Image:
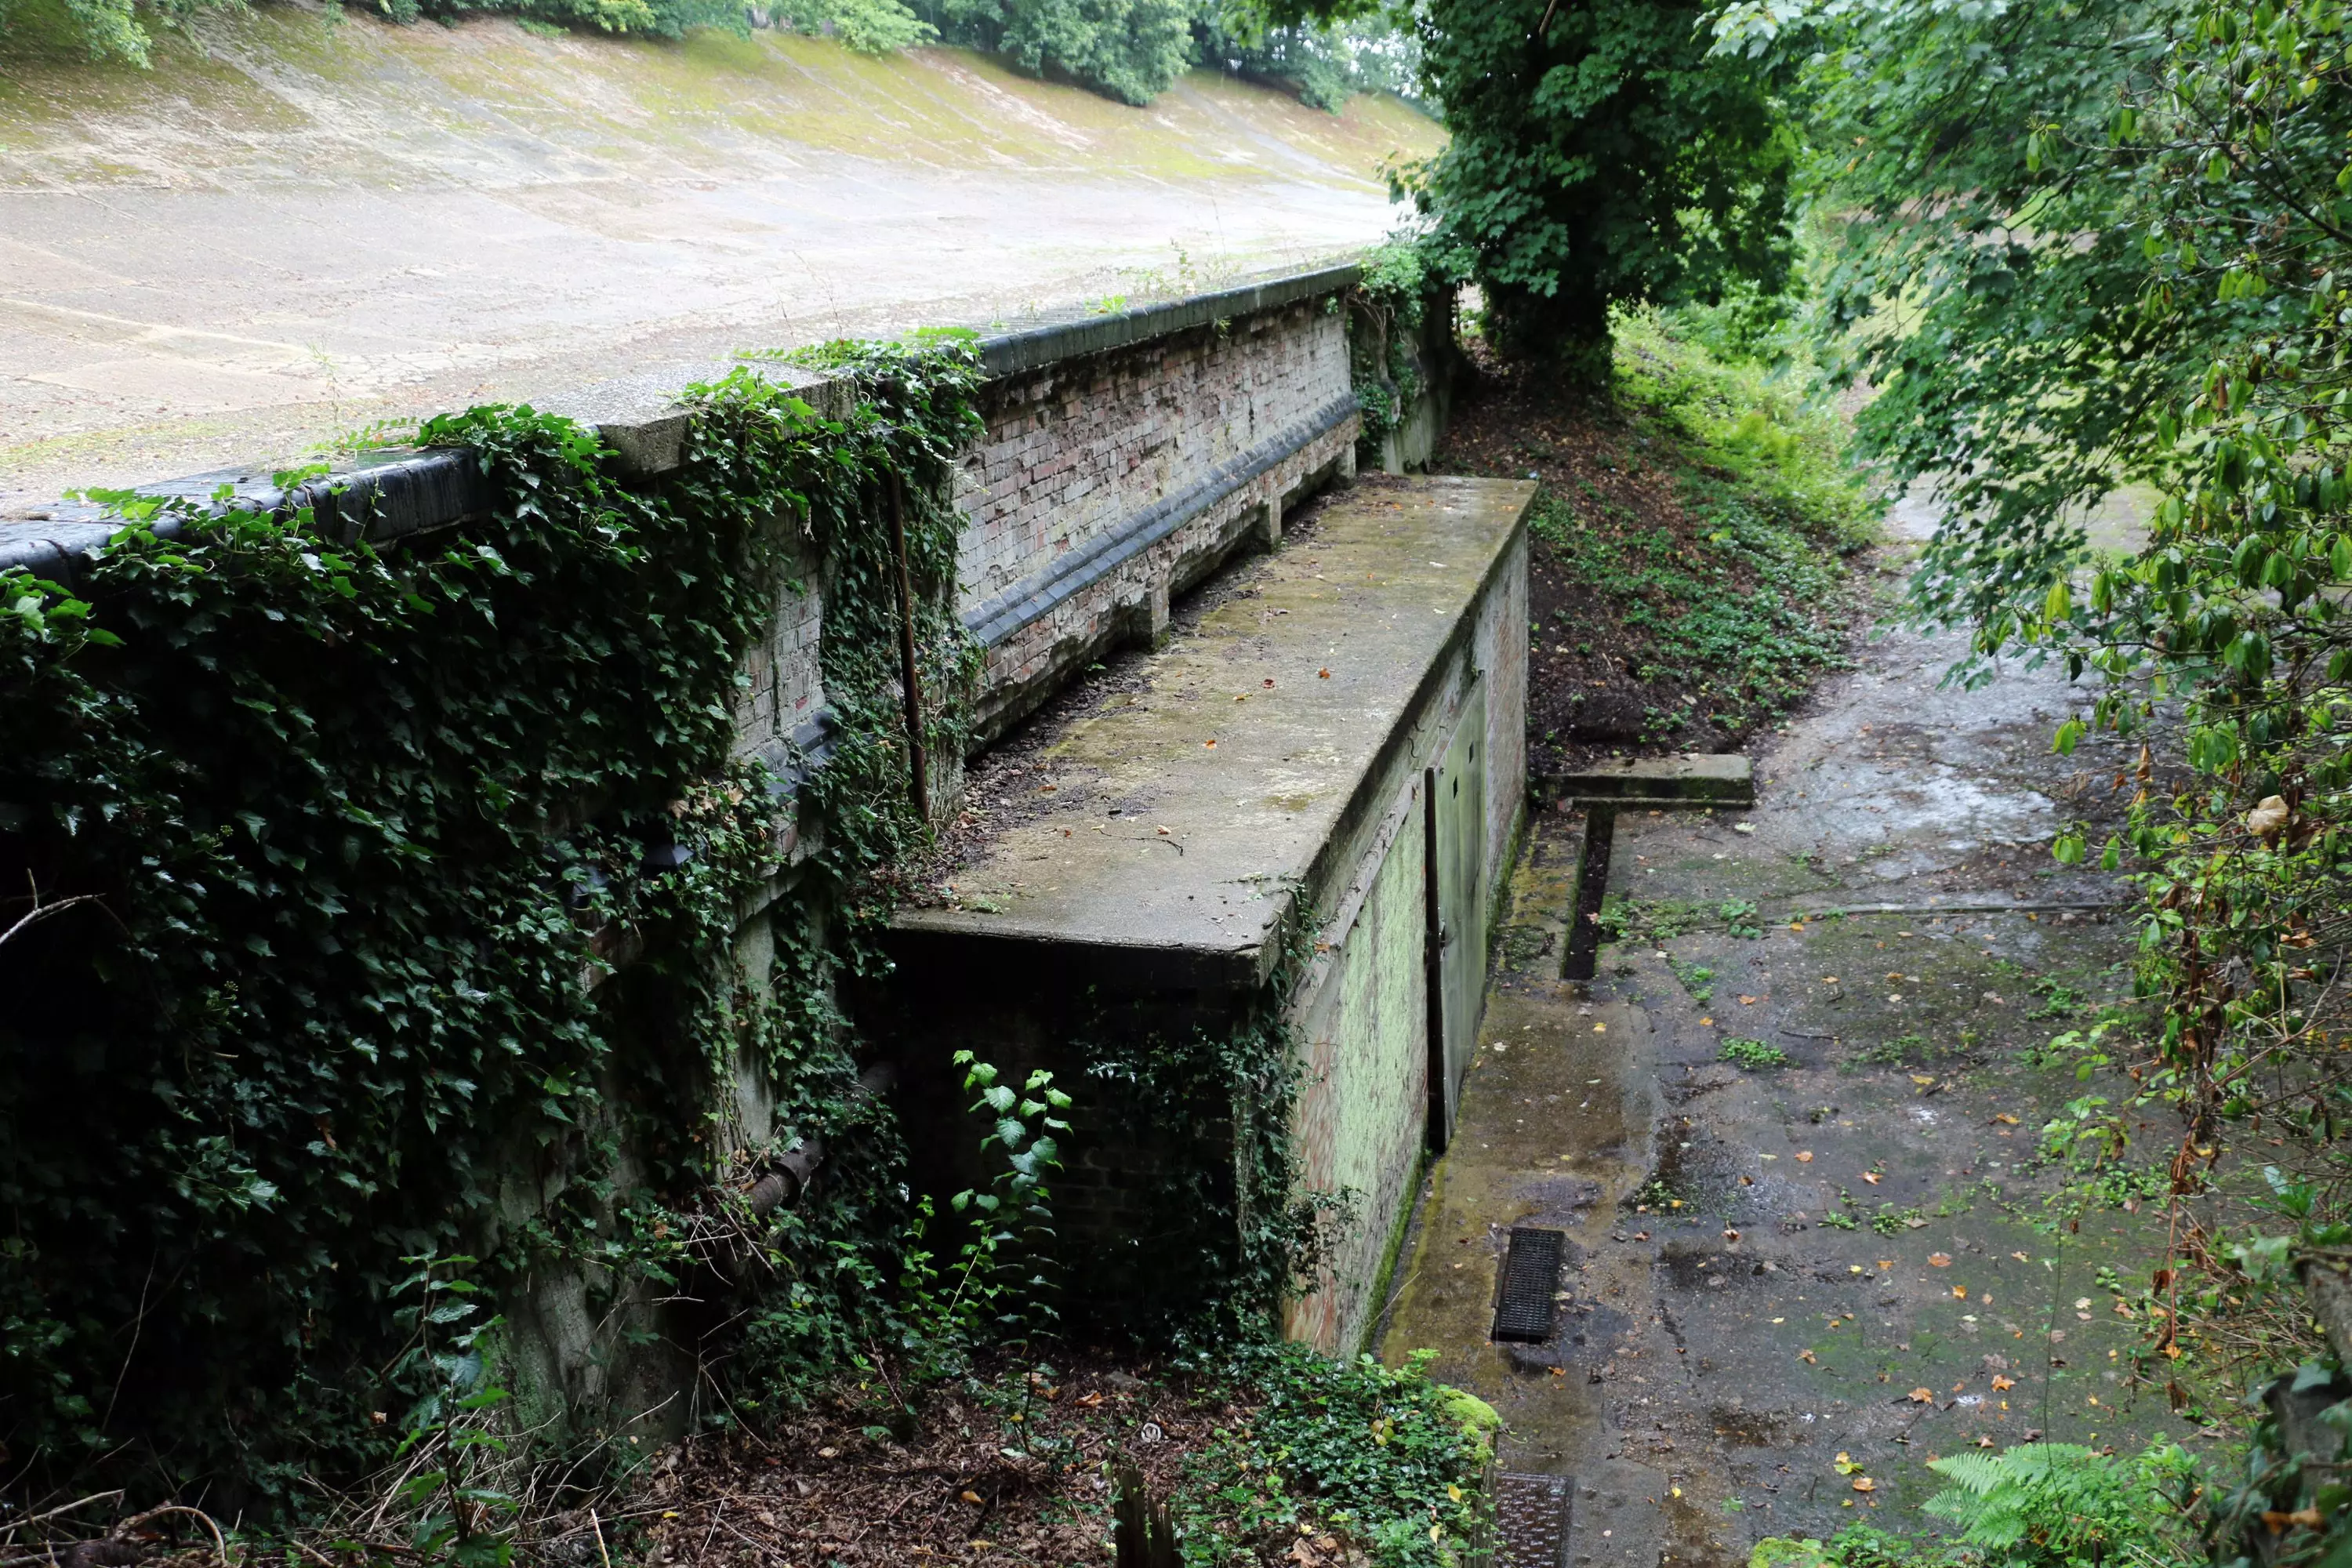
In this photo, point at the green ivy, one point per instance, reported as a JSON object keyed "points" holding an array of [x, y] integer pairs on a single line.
{"points": [[350, 827]]}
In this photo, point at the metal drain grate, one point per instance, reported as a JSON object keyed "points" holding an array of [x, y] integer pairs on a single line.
{"points": [[1530, 1522], [1524, 1308]]}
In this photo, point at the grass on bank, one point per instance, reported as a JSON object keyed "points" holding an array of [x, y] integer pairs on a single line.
{"points": [[1689, 578]]}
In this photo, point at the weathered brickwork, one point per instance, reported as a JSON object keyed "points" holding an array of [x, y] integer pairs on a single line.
{"points": [[1218, 428], [1105, 482], [784, 687]]}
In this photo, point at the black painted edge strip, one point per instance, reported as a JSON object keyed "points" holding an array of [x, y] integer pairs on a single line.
{"points": [[1040, 593], [388, 496]]}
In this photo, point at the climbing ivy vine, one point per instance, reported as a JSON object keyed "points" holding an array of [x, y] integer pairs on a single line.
{"points": [[381, 898]]}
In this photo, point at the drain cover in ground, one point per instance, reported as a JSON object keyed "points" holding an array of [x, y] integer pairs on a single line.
{"points": [[1524, 1306], [1530, 1522]]}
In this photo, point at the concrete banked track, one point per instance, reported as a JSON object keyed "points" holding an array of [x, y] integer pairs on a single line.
{"points": [[295, 227]]}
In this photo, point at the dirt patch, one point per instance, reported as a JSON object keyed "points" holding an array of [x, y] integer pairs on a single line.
{"points": [[1606, 674], [983, 1475]]}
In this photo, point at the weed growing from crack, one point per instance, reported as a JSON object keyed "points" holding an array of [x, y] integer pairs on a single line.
{"points": [[1753, 1055]]}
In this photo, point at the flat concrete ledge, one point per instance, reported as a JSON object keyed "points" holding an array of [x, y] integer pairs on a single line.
{"points": [[1189, 820], [1686, 780], [1033, 347]]}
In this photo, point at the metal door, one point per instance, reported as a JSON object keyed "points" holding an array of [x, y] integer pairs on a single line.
{"points": [[1454, 820]]}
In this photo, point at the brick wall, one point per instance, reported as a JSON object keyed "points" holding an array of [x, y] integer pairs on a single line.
{"points": [[1107, 482]]}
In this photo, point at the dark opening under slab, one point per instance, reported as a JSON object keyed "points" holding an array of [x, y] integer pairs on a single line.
{"points": [[1524, 1308]]}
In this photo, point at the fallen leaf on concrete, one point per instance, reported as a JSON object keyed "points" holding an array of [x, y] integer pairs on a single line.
{"points": [[1747, 1001], [1871, 1176], [1804, 1156], [1961, 1292], [1599, 1028], [2006, 1120], [1923, 1396], [1210, 744], [1939, 1261], [2020, 1257], [1864, 1484], [1707, 1022], [1743, 827], [1807, 1357], [1323, 675], [2003, 1384]]}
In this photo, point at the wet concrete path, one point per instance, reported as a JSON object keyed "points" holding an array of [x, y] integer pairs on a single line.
{"points": [[1789, 1287]]}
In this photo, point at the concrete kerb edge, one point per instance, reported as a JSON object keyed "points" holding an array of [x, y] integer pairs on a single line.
{"points": [[1012, 353]]}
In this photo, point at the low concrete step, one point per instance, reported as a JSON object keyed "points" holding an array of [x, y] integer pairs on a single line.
{"points": [[1684, 780]]}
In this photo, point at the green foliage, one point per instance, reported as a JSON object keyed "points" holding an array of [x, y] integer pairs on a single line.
{"points": [[1326, 63], [354, 828], [1396, 1460], [2061, 1505], [638, 19], [1390, 308], [1598, 156], [1753, 1055], [451, 1442], [1696, 979], [1767, 433], [1128, 49], [868, 26], [1013, 1225], [2099, 245]]}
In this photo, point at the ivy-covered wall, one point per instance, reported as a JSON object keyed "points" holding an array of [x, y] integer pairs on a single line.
{"points": [[386, 911], [455, 859]]}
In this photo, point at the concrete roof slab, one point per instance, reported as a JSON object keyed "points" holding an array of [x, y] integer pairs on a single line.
{"points": [[1180, 822]]}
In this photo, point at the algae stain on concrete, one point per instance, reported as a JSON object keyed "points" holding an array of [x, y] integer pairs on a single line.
{"points": [[375, 102]]}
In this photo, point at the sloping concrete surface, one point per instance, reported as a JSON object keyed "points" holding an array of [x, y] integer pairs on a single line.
{"points": [[1225, 775], [1785, 1282], [297, 226]]}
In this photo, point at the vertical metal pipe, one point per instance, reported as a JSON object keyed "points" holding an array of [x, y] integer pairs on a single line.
{"points": [[918, 782]]}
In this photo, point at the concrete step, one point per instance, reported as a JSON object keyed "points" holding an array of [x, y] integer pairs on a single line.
{"points": [[1653, 781]]}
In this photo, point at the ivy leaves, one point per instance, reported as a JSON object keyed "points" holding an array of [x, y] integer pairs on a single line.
{"points": [[355, 833]]}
